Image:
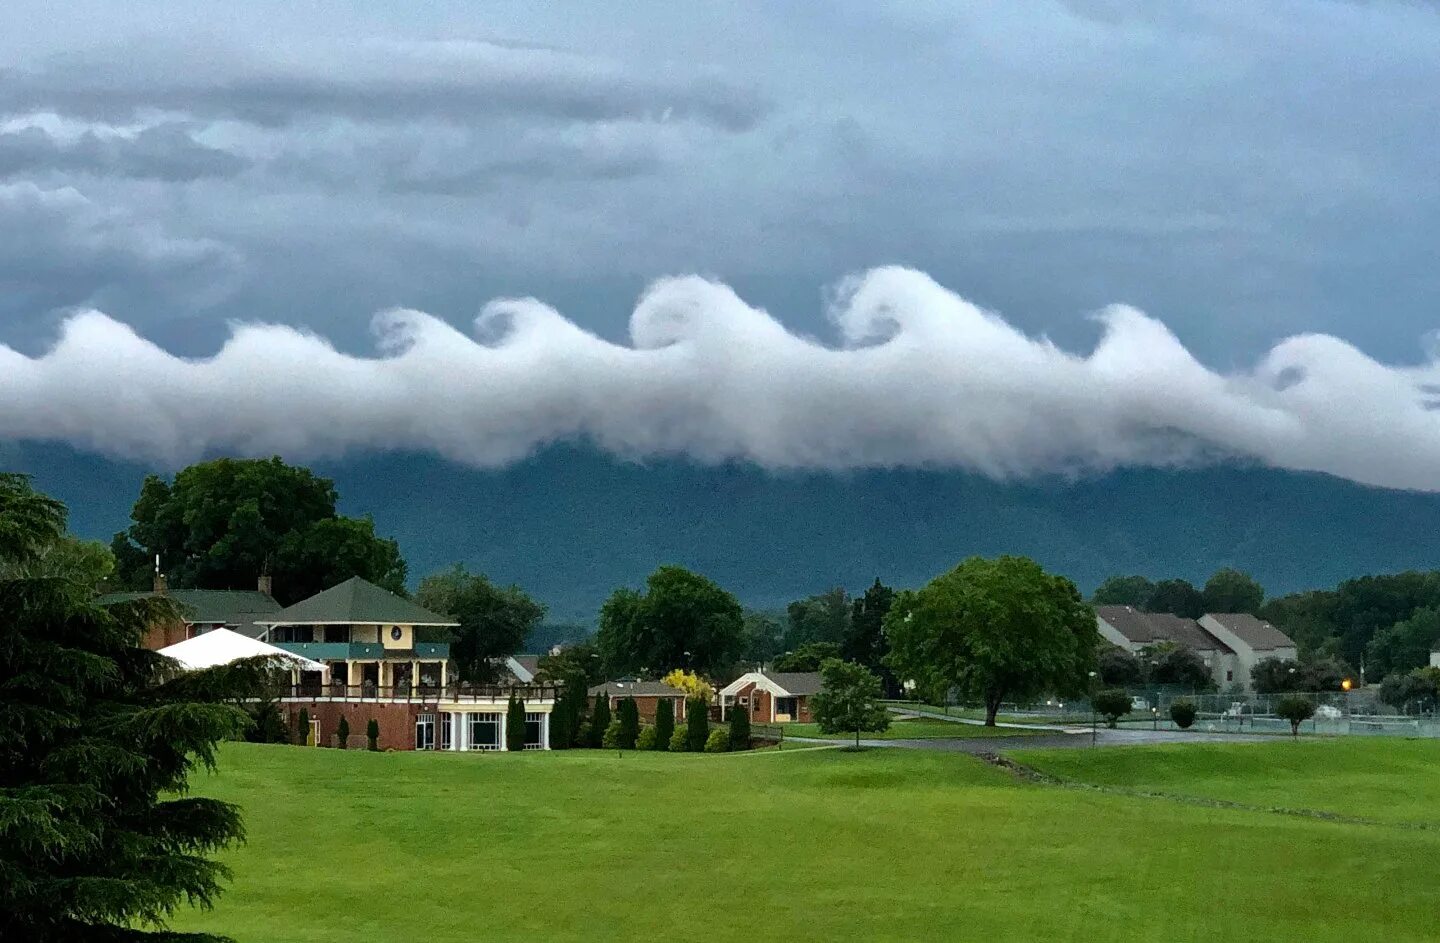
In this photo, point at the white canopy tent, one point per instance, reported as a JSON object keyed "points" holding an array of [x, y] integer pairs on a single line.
{"points": [[222, 646]]}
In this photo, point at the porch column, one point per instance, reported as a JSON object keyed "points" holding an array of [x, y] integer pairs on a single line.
{"points": [[545, 731], [504, 738], [443, 680]]}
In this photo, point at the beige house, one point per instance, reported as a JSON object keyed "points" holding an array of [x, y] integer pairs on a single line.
{"points": [[1253, 639], [1134, 631]]}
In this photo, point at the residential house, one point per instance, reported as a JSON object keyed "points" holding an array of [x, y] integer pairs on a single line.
{"points": [[376, 666], [203, 610], [1253, 639], [772, 696], [1135, 631], [647, 695]]}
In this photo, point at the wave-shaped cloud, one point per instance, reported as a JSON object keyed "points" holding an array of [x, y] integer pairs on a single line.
{"points": [[919, 377]]}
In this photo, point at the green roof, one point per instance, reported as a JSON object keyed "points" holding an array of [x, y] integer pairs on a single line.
{"points": [[364, 651], [355, 602], [237, 607]]}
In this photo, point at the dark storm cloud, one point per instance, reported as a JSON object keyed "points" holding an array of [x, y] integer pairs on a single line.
{"points": [[377, 80], [162, 152]]}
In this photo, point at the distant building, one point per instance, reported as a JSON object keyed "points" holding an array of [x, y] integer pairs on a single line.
{"points": [[772, 696], [203, 610], [1253, 639], [1435, 656], [1135, 631], [647, 695]]}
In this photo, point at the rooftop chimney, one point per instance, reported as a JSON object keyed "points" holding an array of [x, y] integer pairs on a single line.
{"points": [[264, 583], [159, 584]]}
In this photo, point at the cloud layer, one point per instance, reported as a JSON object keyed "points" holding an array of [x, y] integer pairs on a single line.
{"points": [[919, 377]]}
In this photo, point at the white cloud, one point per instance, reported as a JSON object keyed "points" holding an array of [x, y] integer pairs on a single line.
{"points": [[920, 377]]}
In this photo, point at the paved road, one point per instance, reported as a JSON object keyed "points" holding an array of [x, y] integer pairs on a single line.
{"points": [[1104, 738]]}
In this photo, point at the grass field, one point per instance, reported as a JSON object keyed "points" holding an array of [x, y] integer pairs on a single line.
{"points": [[1386, 779], [917, 729], [812, 845]]}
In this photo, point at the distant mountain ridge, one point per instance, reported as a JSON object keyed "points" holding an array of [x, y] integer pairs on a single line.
{"points": [[571, 524]]}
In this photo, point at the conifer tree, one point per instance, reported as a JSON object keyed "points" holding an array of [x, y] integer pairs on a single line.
{"points": [[98, 737], [515, 724], [739, 728], [599, 719], [629, 714], [372, 735], [697, 724], [664, 723], [303, 724], [342, 733]]}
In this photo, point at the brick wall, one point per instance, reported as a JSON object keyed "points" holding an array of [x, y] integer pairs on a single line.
{"points": [[397, 722]]}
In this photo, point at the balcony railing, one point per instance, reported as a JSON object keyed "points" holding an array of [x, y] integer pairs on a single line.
{"points": [[420, 693]]}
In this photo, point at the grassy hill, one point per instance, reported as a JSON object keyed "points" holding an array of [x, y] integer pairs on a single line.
{"points": [[572, 524], [806, 845]]}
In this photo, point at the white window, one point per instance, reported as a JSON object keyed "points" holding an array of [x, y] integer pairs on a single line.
{"points": [[532, 731], [425, 732], [446, 731], [484, 731]]}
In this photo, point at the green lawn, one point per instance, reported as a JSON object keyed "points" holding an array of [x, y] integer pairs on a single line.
{"points": [[1381, 778], [974, 713], [803, 845], [917, 729]]}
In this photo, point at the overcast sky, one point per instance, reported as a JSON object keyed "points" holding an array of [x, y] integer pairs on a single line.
{"points": [[1241, 171]]}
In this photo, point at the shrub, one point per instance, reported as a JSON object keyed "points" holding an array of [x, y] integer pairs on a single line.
{"points": [[342, 733], [629, 716], [515, 724], [372, 736], [697, 724], [680, 740], [599, 720], [718, 741], [582, 734], [739, 729], [646, 739], [266, 724], [1183, 713], [303, 723], [1295, 709], [664, 723], [1112, 705], [610, 740]]}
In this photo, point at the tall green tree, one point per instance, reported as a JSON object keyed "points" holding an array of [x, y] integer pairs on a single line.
{"points": [[577, 663], [1177, 665], [221, 524], [494, 620], [1117, 667], [599, 719], [1405, 645], [739, 728], [98, 838], [995, 630], [864, 642], [1178, 597], [629, 714], [515, 724], [824, 617], [1133, 591], [697, 724], [664, 723], [682, 620], [808, 657], [760, 636], [849, 700], [1231, 590]]}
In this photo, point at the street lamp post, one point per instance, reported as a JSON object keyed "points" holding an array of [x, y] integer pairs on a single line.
{"points": [[1093, 732]]}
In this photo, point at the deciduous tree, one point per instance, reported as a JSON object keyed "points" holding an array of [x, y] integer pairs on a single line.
{"points": [[494, 620], [849, 700], [994, 629], [682, 619], [808, 657], [1134, 591], [1297, 709], [1178, 597], [1231, 590], [1112, 704]]}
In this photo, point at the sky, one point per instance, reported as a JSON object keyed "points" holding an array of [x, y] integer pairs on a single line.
{"points": [[1240, 198]]}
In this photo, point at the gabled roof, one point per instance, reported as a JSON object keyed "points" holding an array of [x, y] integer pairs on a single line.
{"points": [[796, 682], [1147, 628], [237, 607], [355, 602], [636, 689], [530, 663], [1257, 633]]}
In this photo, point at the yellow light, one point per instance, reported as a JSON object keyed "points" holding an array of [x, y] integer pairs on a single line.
{"points": [[1346, 685]]}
